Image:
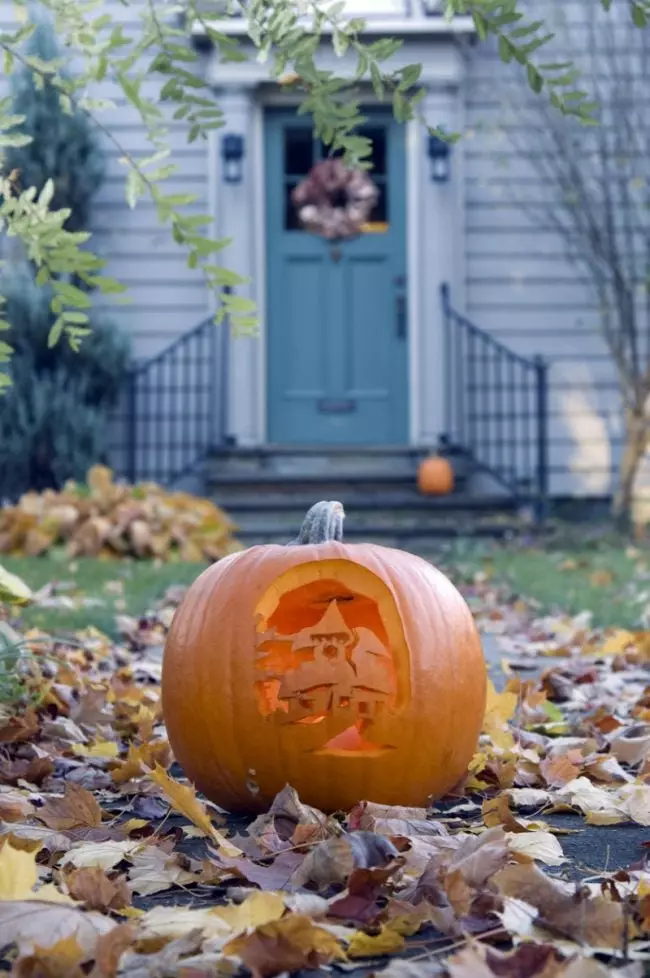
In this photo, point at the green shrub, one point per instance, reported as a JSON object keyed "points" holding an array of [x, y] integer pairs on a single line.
{"points": [[54, 419]]}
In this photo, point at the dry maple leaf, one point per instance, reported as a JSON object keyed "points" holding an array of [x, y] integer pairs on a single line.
{"points": [[542, 846], [593, 921], [389, 940], [104, 855], [183, 799], [109, 950], [61, 960], [526, 961], [163, 962], [19, 876], [289, 944], [77, 807], [333, 860], [257, 910], [138, 759], [93, 888], [154, 870], [562, 768], [33, 771], [28, 923]]}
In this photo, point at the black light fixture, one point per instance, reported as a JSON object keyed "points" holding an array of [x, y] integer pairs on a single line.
{"points": [[232, 155], [439, 152]]}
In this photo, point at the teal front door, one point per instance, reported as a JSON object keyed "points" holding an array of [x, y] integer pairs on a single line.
{"points": [[336, 314]]}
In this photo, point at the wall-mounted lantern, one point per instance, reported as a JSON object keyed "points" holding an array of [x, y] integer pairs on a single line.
{"points": [[439, 152], [232, 155]]}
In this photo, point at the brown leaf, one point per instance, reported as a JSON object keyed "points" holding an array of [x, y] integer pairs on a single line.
{"points": [[589, 920], [110, 948], [526, 961], [92, 887], [77, 807], [497, 811], [20, 728], [365, 887], [33, 771], [333, 860], [14, 807], [289, 944], [274, 877], [61, 960], [562, 768]]}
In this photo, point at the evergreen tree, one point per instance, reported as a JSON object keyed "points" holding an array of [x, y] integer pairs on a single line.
{"points": [[54, 419]]}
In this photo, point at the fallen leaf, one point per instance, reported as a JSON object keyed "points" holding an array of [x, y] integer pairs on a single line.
{"points": [[333, 860], [109, 950], [289, 944], [104, 855], [28, 923], [76, 807], [154, 870], [542, 846], [61, 960], [19, 876], [93, 888], [387, 941], [183, 799], [594, 921], [163, 962], [255, 911]]}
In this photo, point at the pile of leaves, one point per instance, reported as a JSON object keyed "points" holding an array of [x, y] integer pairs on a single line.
{"points": [[102, 518], [111, 865]]}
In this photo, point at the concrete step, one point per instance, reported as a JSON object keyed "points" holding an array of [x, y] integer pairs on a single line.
{"points": [[355, 500], [294, 460], [419, 538]]}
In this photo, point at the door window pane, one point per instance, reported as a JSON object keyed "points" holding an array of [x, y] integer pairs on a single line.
{"points": [[298, 150]]}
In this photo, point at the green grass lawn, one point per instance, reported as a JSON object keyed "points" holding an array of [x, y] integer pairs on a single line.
{"points": [[607, 577], [571, 572], [126, 587]]}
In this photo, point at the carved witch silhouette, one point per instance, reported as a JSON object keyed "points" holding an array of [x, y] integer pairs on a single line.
{"points": [[328, 671]]}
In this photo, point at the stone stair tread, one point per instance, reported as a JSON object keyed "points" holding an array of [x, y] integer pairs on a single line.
{"points": [[354, 501]]}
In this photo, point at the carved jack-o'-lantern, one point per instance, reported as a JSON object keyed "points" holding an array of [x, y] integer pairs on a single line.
{"points": [[350, 671]]}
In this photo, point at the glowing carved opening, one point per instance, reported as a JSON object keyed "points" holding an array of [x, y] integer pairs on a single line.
{"points": [[325, 657]]}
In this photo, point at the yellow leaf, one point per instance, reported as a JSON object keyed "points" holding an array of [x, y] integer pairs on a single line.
{"points": [[13, 590], [387, 941], [616, 643], [258, 909], [183, 799], [19, 875], [101, 748], [499, 708]]}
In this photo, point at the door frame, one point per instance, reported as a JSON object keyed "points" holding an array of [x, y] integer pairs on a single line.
{"points": [[413, 153]]}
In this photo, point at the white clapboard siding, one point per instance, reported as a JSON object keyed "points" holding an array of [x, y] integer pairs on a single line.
{"points": [[521, 287]]}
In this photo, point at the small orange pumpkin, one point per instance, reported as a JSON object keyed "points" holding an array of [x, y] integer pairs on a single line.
{"points": [[350, 671], [435, 476]]}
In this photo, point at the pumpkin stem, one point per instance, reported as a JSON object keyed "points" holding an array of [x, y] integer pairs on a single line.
{"points": [[323, 522]]}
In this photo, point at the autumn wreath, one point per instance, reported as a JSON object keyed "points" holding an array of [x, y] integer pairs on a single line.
{"points": [[335, 201]]}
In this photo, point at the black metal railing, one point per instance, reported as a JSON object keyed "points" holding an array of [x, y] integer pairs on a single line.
{"points": [[174, 408], [496, 408]]}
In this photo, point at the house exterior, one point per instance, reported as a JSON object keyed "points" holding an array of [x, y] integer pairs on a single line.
{"points": [[352, 348]]}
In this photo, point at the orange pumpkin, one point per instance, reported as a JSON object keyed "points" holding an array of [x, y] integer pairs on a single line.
{"points": [[435, 476], [350, 671]]}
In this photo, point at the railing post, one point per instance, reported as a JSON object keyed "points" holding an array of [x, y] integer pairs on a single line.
{"points": [[132, 425], [541, 412], [449, 420]]}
